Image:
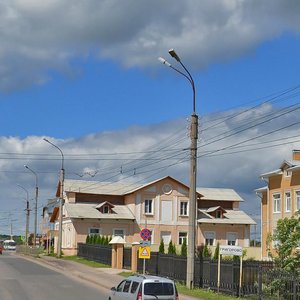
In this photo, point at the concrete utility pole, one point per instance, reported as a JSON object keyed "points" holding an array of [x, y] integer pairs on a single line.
{"points": [[61, 199], [27, 215], [36, 202], [193, 174]]}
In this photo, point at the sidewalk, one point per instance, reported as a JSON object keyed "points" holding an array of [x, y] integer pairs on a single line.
{"points": [[104, 277]]}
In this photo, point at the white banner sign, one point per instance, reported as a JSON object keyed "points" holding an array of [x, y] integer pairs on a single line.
{"points": [[231, 250]]}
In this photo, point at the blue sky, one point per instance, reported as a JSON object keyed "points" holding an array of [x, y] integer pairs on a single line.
{"points": [[91, 83], [106, 96]]}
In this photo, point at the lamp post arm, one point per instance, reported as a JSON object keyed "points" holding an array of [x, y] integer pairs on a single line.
{"points": [[191, 80], [62, 155]]}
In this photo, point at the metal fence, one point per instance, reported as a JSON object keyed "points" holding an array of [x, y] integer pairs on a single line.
{"points": [[259, 277], [99, 253]]}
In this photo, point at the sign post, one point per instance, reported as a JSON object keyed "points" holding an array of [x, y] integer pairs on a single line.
{"points": [[230, 250], [144, 250]]}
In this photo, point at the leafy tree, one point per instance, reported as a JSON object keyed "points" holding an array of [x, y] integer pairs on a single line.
{"points": [[171, 248], [206, 252], [217, 251], [98, 241], [286, 240], [184, 248], [161, 247], [87, 240]]}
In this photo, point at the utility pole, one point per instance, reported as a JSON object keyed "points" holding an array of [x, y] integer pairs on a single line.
{"points": [[27, 215], [61, 199], [36, 201], [192, 225]]}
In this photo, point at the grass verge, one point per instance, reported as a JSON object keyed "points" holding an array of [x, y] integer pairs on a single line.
{"points": [[84, 261]]}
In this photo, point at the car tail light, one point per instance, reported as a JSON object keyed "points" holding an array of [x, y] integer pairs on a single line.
{"points": [[177, 298], [139, 296]]}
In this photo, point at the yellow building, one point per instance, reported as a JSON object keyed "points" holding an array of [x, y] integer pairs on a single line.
{"points": [[279, 199]]}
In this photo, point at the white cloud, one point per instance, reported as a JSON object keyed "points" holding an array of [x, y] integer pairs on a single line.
{"points": [[40, 36], [141, 154]]}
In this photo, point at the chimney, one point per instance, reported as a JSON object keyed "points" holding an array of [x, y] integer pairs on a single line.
{"points": [[296, 154]]}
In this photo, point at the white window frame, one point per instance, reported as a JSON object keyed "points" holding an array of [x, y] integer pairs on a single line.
{"points": [[184, 209], [94, 228], [208, 236], [148, 209], [232, 241], [181, 238], [288, 201], [120, 229], [276, 202], [297, 200]]}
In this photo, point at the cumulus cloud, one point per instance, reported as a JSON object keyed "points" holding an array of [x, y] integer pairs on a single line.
{"points": [[230, 155], [38, 37]]}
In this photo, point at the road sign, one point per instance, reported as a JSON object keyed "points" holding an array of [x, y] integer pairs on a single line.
{"points": [[231, 250], [145, 234], [145, 243], [144, 252]]}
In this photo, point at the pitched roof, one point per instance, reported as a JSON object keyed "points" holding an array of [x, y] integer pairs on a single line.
{"points": [[219, 194], [90, 211], [108, 188], [230, 217]]}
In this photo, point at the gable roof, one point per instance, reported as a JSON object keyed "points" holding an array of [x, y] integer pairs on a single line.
{"points": [[219, 194], [109, 188]]}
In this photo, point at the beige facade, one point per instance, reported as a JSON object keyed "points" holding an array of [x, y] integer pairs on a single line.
{"points": [[162, 206], [279, 199]]}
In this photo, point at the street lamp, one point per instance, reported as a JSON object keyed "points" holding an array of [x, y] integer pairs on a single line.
{"points": [[36, 201], [27, 214], [61, 198], [193, 173]]}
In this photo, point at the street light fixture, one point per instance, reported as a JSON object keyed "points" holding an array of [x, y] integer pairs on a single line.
{"points": [[27, 215], [36, 201], [193, 173], [61, 198]]}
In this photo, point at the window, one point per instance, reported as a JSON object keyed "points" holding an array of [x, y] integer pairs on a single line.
{"points": [[126, 286], [287, 201], [184, 208], [232, 238], [297, 197], [276, 202], [182, 236], [166, 237], [134, 286], [218, 214], [210, 237], [94, 231], [287, 173], [106, 209], [120, 286], [148, 206], [119, 232]]}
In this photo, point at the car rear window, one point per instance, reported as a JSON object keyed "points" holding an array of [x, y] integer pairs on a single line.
{"points": [[159, 288]]}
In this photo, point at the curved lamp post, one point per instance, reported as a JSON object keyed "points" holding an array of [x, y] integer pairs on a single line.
{"points": [[36, 201], [61, 198], [193, 172], [27, 214]]}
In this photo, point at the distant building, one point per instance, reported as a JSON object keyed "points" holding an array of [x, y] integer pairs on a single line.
{"points": [[117, 209], [280, 198]]}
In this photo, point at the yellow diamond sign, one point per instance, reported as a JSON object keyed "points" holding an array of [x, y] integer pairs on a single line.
{"points": [[144, 252]]}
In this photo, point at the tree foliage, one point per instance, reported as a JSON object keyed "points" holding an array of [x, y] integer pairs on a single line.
{"points": [[286, 239], [184, 248], [161, 247]]}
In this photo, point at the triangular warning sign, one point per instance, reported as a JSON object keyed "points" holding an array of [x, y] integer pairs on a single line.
{"points": [[145, 252]]}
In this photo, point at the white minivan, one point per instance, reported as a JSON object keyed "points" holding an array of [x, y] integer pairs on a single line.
{"points": [[145, 287]]}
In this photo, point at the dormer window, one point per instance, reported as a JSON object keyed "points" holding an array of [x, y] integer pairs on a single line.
{"points": [[219, 214], [106, 209]]}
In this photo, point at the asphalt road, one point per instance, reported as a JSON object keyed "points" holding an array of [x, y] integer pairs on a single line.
{"points": [[21, 279]]}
